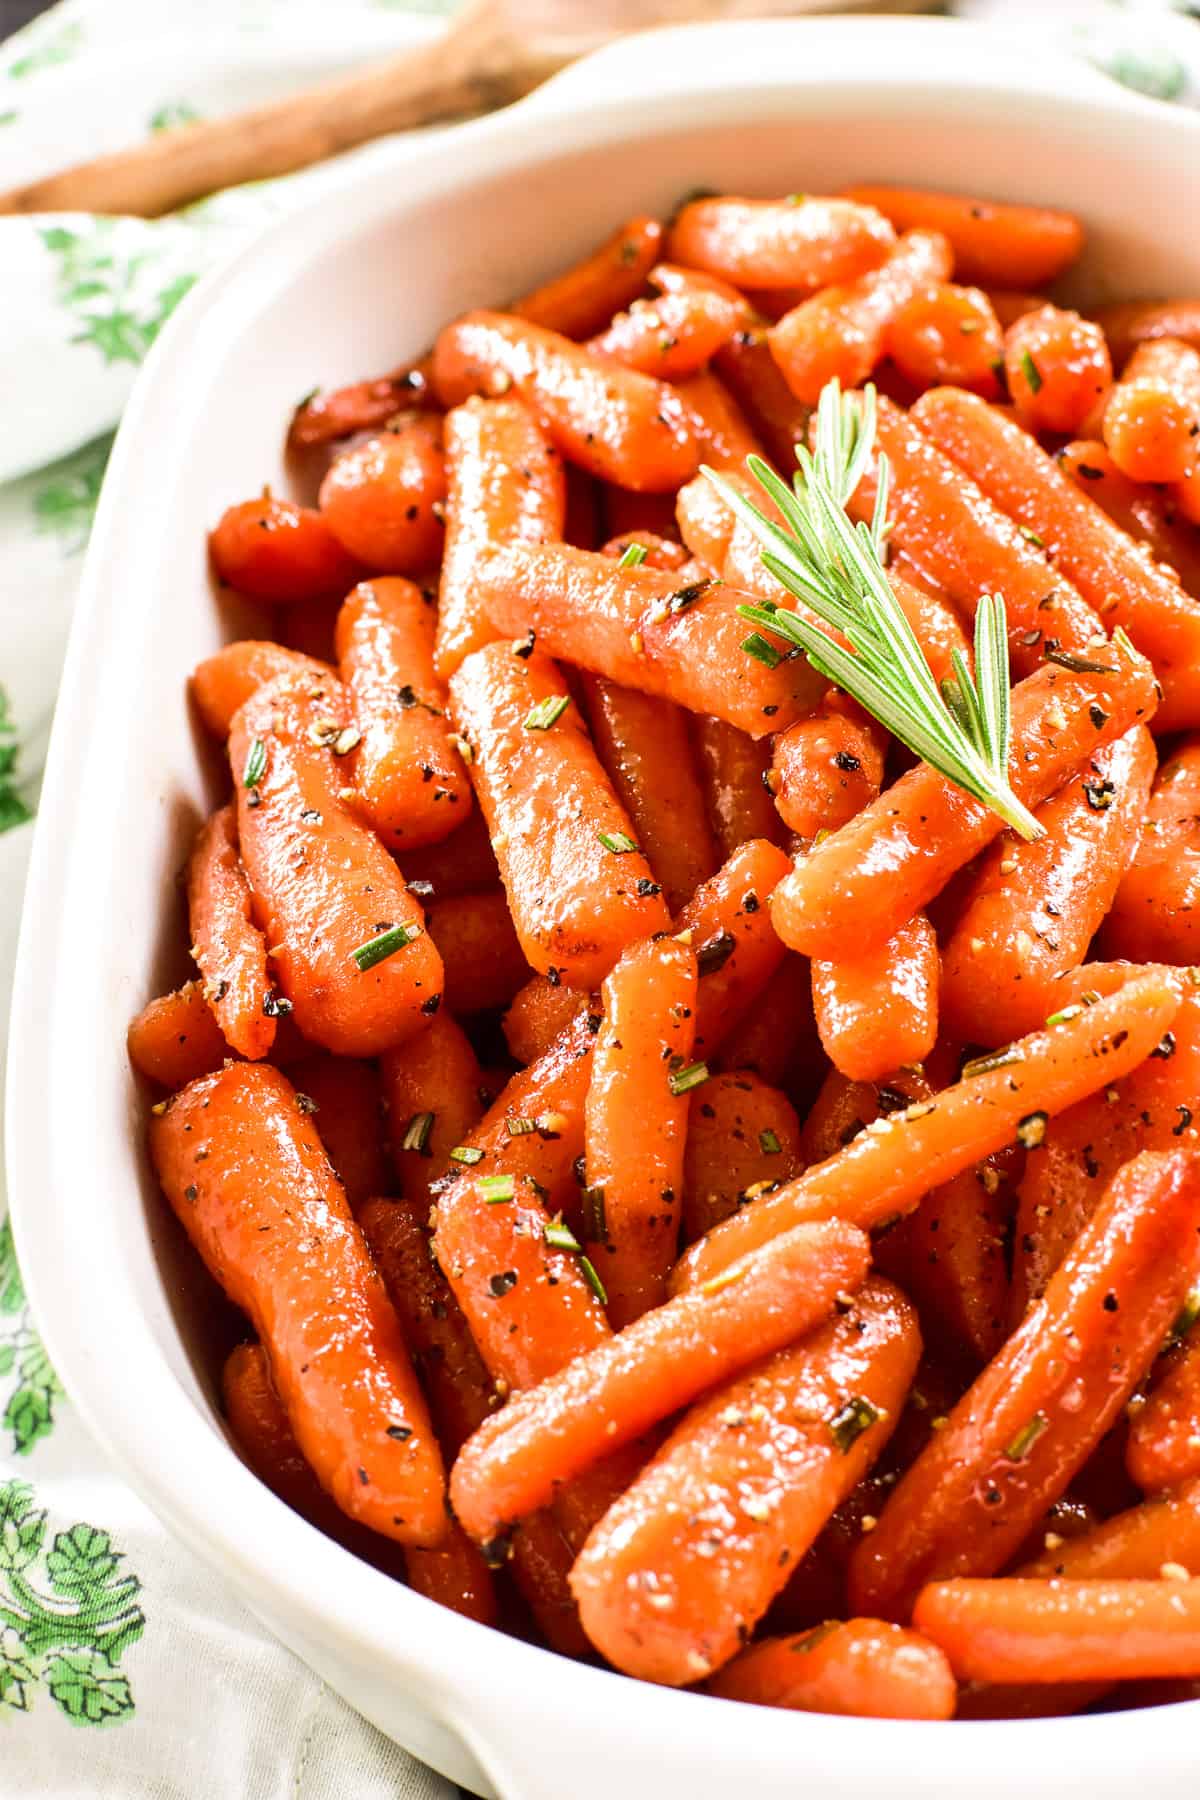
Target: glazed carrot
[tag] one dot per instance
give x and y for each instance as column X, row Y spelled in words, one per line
column 656, row 1365
column 949, row 334
column 225, row 681
column 528, row 1304
column 1152, row 414
column 656, row 552
column 645, row 629
column 431, row 1094
column 1029, row 911
column 797, row 242
column 647, row 754
column 826, row 768
column 883, row 1172
column 636, row 1121
column 949, row 1256
column 1144, row 512
column 864, row 1668
column 675, row 334
column 408, row 773
column 1063, row 1631
column 756, row 382
column 322, row 418
column 383, row 500
column 615, row 423
column 879, row 1009
column 585, row 296
column 1132, row 1546
column 1011, row 304
column 962, row 542
column 504, row 480
column 723, row 432
column 1043, row 1403
column 484, row 963
column 730, row 929
column 735, row 769
column 860, row 885
column 705, row 521
column 578, row 887
column 841, row 332
column 228, row 947
column 739, row 1491
column 1058, row 369
column 266, row 1213
column 994, row 244
column 539, row 1012
column 1112, row 573
column 462, row 863
column 272, row 549
column 176, row 1038
column 1128, row 323
column 844, row 1108
column 342, row 1097
column 777, row 1038
column 743, row 1137
column 1164, row 1434
column 347, row 940
column 1156, row 912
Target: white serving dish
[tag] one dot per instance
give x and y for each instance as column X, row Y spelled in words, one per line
column 351, row 285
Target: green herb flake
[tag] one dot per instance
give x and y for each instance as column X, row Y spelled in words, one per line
column 1026, row 1438
column 519, row 1127
column 682, row 1081
column 559, row 1236
column 1032, row 373
column 619, row 842
column 595, row 1224
column 587, row 1269
column 466, row 1153
column 547, row 712
column 416, row 1133
column 757, row 646
column 497, row 1189
column 996, row 1059
column 378, row 949
column 851, row 1419
column 1186, row 1317
column 632, row 557
column 256, row 764
column 768, row 1143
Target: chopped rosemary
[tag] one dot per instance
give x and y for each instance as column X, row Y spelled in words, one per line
column 836, row 569
column 547, row 712
column 768, row 1143
column 632, row 556
column 1032, row 373
column 1026, row 1438
column 851, row 1419
column 496, row 1189
column 416, row 1133
column 588, row 1271
column 1185, row 1318
column 757, row 646
column 997, row 1059
column 619, row 842
column 378, row 949
column 559, row 1236
column 466, row 1153
column 256, row 764
column 595, row 1224
column 682, row 1081
column 519, row 1127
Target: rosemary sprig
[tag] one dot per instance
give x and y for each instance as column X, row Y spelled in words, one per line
column 836, row 569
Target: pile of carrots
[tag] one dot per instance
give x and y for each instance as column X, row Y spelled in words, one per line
column 704, row 1194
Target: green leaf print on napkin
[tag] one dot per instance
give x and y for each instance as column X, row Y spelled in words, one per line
column 57, row 49
column 14, row 810
column 175, row 112
column 113, row 300
column 25, row 1372
column 64, row 505
column 67, row 1615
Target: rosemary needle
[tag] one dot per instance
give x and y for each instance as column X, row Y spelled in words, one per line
column 836, row 569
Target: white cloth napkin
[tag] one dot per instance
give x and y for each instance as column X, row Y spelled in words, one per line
column 126, row 1672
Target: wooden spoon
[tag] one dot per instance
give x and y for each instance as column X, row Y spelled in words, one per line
column 492, row 53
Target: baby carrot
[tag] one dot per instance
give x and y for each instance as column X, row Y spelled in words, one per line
column 1041, row 1406
column 656, row 1365
column 879, row 1009
column 705, row 522
column 728, row 926
column 647, row 629
column 1112, row 573
column 844, row 1108
column 1150, row 422
column 1134, row 1545
column 342, row 1097
column 615, row 423
column 884, row 1171
column 578, row 887
column 656, row 552
column 746, row 366
column 245, row 1171
column 483, row 960
column 677, row 1574
column 504, row 480
column 1156, row 913
column 1145, row 513
column 798, row 242
column 736, row 770
column 675, row 334
column 227, row 945
column 322, row 418
column 583, row 298
column 723, row 432
column 408, row 773
column 347, row 939
column 1128, row 323
column 862, row 1668
column 1029, row 911
column 383, row 500
column 223, row 682
column 635, row 1123
column 860, row 885
column 841, row 332
column 743, row 1137
column 1164, row 1433
column 778, row 1039
column 960, row 540
column 176, row 1037
column 647, row 754
column 1064, row 1631
column 994, row 243
column 949, row 1256
column 826, row 768
column 538, row 1014
column 431, row 1094
column 1058, row 369
column 272, row 549
column 948, row 334
column 462, row 863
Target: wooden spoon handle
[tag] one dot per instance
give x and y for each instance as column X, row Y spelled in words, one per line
column 474, row 67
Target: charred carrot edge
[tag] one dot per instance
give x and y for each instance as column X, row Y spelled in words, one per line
column 743, row 1137
column 484, row 963
column 635, row 1124
column 348, row 940
column 879, row 1011
column 578, row 887
column 176, row 1038
column 1064, row 1631
column 584, row 298
column 229, row 948
column 1058, row 370
column 884, row 1171
column 804, row 243
column 223, row 682
column 343, row 1098
column 862, row 1668
column 661, row 1362
column 736, row 774
column 1041, row 1406
column 775, row 1451
column 269, row 1218
column 994, row 243
column 432, row 1094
